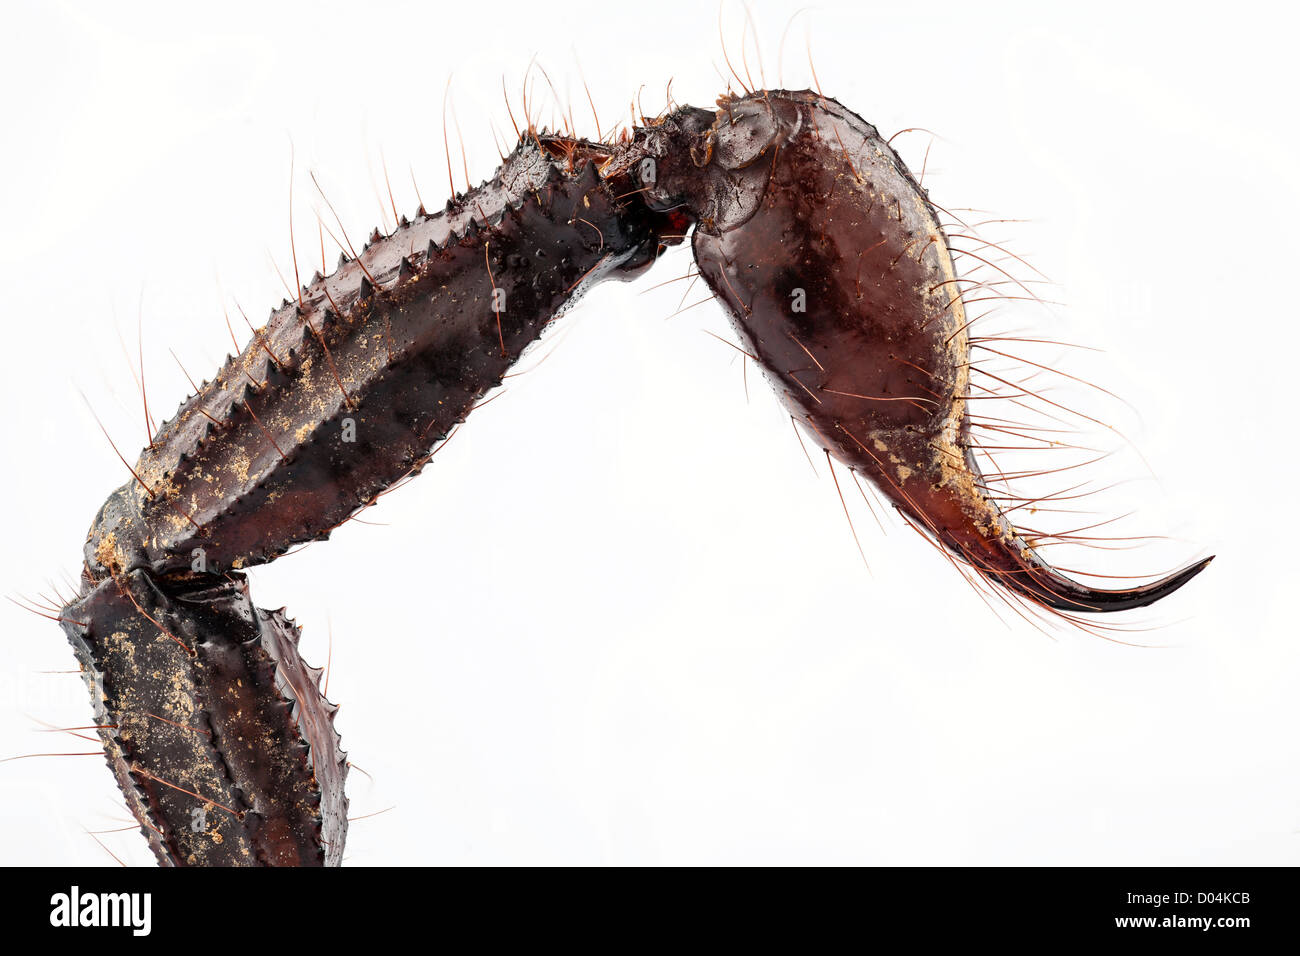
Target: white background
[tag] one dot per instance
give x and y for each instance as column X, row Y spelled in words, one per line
column 620, row 620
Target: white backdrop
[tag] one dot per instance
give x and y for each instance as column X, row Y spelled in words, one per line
column 620, row 620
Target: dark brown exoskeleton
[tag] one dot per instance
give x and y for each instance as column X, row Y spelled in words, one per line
column 832, row 264
column 215, row 729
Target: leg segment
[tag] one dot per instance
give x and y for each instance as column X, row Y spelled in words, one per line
column 215, row 729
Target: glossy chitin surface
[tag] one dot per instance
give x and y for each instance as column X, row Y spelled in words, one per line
column 809, row 229
column 838, row 277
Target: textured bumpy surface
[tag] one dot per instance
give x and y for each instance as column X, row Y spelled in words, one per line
column 344, row 392
column 808, row 227
column 214, row 727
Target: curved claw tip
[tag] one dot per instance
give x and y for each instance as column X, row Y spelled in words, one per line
column 1079, row 598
